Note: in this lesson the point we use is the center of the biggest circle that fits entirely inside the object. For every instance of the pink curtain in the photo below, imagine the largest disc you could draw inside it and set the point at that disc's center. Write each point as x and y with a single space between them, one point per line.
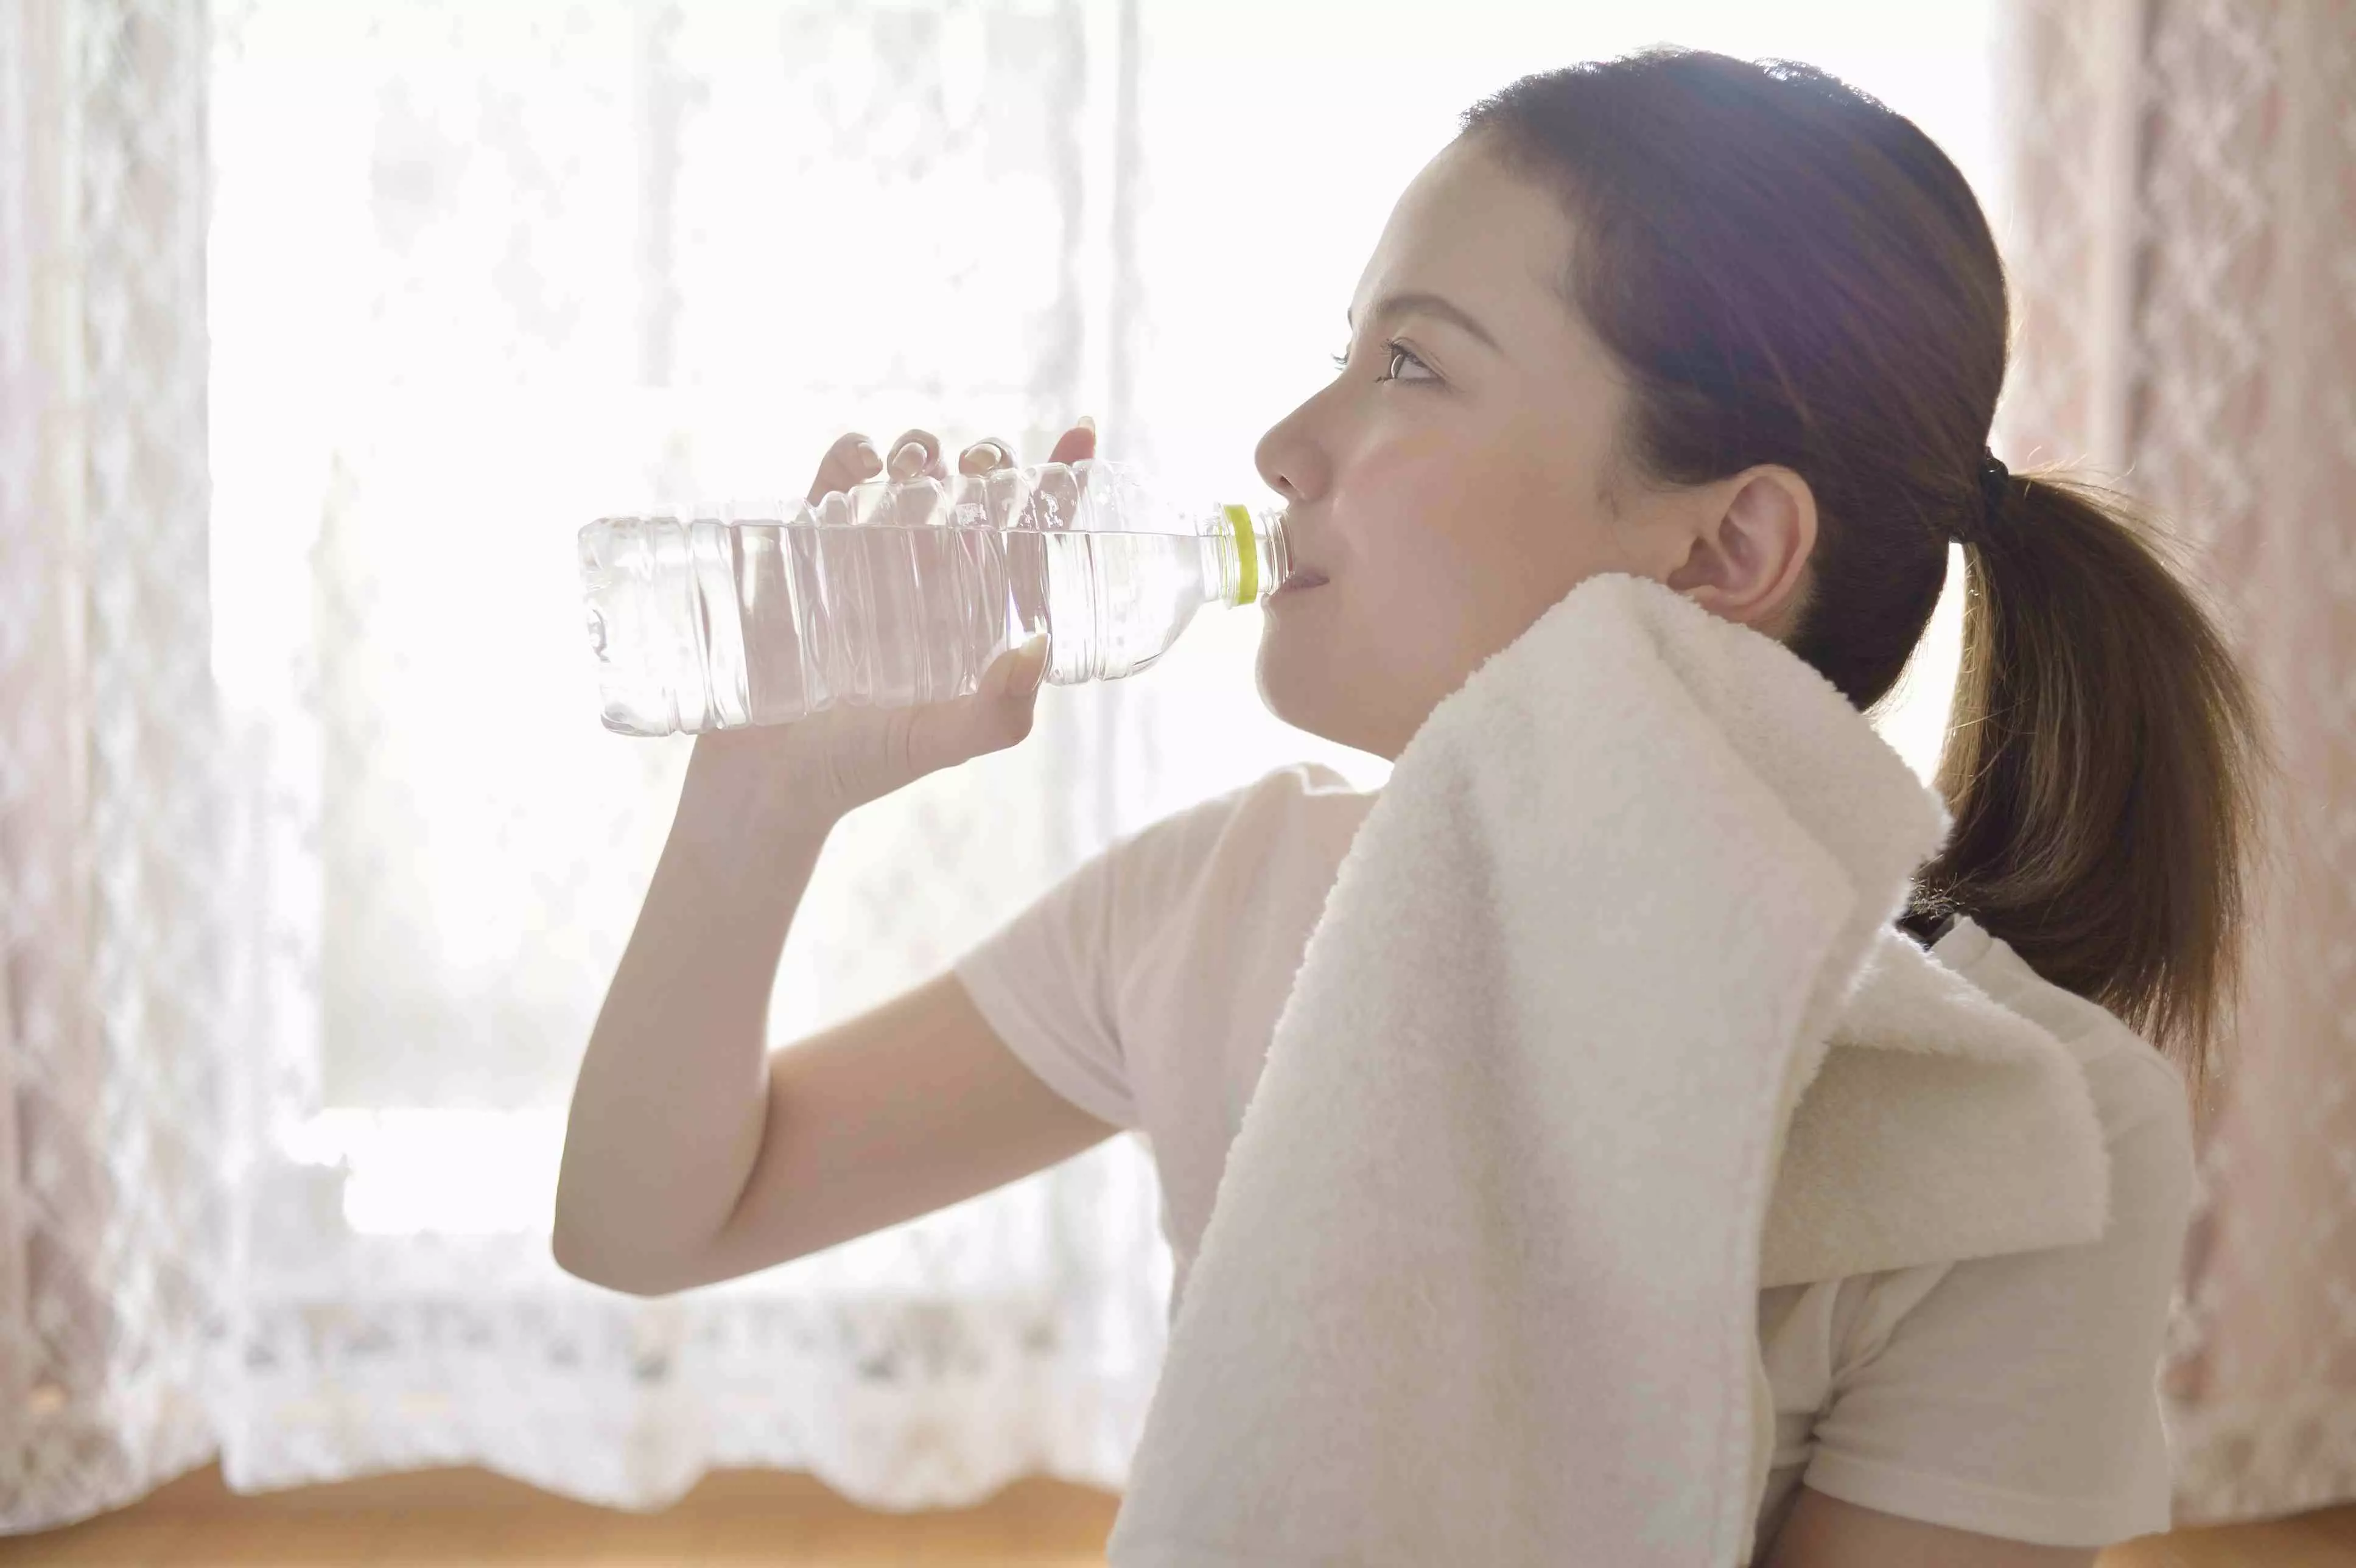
2183 248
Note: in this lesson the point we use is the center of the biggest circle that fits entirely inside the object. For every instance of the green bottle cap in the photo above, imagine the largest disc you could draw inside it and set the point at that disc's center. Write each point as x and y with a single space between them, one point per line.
1239 518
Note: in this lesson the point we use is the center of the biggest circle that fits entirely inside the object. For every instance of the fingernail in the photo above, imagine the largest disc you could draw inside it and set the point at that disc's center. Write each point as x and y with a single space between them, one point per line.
988 454
1035 653
910 455
864 456
1086 422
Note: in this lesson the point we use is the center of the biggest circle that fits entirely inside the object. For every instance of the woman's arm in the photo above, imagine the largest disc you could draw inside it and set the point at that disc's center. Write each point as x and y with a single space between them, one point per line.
688 1155
672 1101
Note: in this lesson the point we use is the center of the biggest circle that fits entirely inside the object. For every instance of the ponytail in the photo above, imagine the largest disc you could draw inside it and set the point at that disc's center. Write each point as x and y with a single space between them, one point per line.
1787 272
2100 765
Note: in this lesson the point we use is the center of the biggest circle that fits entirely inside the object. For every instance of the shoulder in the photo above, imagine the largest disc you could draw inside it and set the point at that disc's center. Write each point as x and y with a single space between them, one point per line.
2015 1395
1295 790
2139 1095
2141 1105
1302 813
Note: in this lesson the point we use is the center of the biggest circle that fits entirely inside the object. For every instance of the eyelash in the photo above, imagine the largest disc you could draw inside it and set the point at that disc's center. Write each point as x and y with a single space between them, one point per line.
1396 350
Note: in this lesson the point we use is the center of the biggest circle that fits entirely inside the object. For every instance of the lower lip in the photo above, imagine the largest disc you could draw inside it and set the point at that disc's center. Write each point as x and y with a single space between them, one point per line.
1294 589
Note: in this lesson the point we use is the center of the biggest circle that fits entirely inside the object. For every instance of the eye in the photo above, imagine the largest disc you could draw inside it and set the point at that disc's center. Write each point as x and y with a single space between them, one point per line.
1397 351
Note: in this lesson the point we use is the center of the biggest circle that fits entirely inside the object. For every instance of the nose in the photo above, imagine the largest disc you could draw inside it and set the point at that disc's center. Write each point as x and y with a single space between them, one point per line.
1290 458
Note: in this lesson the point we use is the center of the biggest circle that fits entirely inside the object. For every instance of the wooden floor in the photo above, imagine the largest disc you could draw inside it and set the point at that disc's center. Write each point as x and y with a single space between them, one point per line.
449 1518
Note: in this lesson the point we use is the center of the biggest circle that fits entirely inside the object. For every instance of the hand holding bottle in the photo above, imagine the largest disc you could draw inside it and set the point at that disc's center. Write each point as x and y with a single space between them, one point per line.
844 756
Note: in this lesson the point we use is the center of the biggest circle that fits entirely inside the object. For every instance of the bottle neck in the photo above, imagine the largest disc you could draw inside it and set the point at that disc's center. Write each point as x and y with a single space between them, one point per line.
1248 559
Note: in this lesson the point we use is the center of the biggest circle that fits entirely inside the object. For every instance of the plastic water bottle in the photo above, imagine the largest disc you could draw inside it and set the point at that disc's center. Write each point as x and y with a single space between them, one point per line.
891 594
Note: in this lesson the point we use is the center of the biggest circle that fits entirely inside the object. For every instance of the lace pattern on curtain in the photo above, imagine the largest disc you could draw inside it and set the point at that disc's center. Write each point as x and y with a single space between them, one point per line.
555 262
113 1181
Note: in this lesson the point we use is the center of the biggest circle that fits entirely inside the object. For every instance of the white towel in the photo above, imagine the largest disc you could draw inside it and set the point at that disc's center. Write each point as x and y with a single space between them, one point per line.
1480 1283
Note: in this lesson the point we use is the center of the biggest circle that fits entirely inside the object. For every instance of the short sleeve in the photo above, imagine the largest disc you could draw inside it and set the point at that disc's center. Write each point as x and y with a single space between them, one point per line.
1046 980
2018 1396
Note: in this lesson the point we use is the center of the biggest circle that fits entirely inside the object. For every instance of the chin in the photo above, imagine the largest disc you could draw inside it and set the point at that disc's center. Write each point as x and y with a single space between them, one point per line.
1315 695
1296 690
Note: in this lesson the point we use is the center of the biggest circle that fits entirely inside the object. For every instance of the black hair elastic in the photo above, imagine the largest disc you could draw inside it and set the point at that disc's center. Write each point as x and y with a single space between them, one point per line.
1926 923
1995 483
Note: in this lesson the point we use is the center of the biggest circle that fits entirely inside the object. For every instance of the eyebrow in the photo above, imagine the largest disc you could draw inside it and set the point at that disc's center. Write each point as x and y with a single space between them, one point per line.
1425 304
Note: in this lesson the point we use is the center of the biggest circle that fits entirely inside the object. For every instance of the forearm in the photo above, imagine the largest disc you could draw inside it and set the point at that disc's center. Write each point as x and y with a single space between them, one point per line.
669 1106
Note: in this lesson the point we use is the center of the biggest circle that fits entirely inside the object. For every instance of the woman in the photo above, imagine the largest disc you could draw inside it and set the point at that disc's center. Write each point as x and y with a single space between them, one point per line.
1735 328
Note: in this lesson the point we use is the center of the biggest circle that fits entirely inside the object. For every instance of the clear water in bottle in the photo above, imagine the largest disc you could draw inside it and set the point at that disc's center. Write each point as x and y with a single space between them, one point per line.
893 594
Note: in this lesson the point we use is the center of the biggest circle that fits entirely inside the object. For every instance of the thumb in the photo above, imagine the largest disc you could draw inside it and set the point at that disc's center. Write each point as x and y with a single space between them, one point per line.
1009 692
995 717
1015 676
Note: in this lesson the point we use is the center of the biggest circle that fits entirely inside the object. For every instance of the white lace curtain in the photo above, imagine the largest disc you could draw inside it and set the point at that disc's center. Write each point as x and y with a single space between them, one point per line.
289 1038
120 1092
555 260
314 861
2186 174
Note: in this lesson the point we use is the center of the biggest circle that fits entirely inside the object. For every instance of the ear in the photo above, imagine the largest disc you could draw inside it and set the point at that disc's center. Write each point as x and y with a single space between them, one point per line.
1753 537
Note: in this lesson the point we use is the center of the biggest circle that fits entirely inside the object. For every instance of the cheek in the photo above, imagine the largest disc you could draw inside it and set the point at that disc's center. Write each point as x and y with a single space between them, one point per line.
1531 524
1406 582
1366 653
1459 550
1446 551
1435 481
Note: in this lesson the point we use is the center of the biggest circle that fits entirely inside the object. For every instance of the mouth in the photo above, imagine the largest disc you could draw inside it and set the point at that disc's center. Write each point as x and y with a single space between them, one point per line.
1300 576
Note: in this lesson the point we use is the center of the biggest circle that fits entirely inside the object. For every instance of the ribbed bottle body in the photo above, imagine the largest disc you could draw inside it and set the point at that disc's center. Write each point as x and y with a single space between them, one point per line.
903 594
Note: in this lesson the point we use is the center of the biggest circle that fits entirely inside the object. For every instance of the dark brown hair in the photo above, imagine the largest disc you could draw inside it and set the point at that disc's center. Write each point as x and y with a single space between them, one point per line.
1789 272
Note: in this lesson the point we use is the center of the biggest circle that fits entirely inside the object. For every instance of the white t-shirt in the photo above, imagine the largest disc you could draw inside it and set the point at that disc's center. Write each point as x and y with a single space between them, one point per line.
2012 1395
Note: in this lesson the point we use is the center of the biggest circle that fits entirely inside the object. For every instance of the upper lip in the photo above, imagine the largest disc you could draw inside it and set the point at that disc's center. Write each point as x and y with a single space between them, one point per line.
1296 568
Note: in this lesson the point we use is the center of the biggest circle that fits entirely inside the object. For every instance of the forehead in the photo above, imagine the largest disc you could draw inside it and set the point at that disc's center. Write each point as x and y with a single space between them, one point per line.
1472 228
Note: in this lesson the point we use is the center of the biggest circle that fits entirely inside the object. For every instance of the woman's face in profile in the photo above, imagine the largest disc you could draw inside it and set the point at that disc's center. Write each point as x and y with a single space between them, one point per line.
1450 484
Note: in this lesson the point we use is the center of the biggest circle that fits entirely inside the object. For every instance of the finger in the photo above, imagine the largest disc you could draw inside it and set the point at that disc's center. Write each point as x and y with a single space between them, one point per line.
995 717
985 456
1078 444
915 452
850 460
1017 672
